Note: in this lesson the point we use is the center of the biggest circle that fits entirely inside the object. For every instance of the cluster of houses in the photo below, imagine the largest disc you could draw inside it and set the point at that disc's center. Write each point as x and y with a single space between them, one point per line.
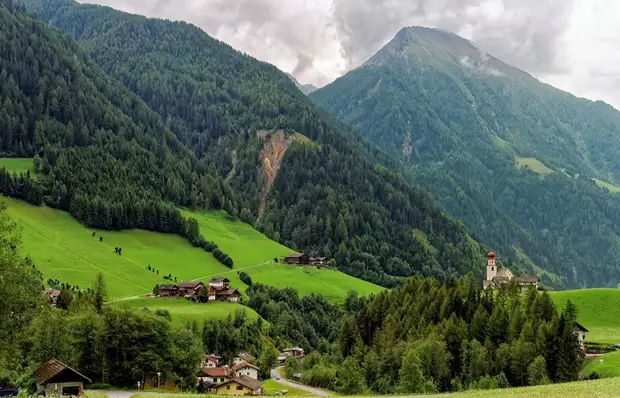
294 352
305 259
218 290
240 379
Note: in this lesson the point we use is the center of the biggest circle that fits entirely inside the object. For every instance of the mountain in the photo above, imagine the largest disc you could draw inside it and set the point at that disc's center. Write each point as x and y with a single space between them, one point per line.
279 162
304 88
516 159
99 151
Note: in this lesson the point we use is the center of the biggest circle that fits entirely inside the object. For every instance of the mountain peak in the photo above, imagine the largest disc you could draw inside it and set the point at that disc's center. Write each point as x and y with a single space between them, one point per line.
440 47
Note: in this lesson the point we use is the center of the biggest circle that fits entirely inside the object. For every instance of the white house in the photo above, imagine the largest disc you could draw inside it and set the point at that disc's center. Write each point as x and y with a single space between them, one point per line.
210 361
246 369
214 375
581 336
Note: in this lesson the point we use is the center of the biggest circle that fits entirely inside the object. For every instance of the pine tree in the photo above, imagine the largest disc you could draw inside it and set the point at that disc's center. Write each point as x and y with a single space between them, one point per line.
99 292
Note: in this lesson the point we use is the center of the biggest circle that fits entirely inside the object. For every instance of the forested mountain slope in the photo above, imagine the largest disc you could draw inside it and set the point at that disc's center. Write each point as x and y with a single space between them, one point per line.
465 120
328 194
101 153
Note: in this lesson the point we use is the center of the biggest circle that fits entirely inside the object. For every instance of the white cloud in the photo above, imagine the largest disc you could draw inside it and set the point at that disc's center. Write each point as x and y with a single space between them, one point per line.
572 44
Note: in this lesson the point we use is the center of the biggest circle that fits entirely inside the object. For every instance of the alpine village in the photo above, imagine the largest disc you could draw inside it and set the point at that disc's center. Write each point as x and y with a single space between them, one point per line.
183 218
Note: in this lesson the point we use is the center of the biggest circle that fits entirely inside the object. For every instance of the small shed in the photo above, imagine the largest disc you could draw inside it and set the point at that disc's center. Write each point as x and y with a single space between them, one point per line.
55 378
297 258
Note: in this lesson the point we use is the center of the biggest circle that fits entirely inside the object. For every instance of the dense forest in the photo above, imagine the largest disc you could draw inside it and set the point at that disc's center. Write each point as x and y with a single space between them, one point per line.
99 151
462 118
330 196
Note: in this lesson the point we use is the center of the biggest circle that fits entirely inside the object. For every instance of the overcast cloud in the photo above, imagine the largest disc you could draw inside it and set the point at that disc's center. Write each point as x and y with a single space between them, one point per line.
572 44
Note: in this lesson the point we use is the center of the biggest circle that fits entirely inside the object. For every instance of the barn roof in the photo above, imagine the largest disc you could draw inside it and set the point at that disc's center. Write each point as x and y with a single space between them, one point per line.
168 287
53 368
580 327
246 356
189 285
297 255
245 381
218 280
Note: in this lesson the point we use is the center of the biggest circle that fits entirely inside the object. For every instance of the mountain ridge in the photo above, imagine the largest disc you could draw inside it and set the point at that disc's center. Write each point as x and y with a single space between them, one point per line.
462 120
330 195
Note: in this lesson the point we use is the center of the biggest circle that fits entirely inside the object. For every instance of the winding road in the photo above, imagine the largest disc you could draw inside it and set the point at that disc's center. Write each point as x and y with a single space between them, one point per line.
275 375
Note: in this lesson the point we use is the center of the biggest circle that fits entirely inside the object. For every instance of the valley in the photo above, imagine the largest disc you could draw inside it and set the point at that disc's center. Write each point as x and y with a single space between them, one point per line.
156 178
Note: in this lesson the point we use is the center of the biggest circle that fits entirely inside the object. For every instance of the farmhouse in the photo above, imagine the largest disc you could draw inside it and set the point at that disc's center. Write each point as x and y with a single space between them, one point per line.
215 375
319 261
295 352
219 289
240 385
210 361
246 369
55 378
243 357
168 290
189 289
297 258
498 276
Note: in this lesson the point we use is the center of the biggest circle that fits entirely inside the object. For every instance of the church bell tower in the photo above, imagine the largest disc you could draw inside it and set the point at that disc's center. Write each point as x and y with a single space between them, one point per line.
491 267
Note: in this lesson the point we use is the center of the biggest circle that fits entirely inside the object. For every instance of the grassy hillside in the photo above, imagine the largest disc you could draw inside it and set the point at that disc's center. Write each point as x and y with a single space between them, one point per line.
599 311
609 367
64 249
183 311
581 389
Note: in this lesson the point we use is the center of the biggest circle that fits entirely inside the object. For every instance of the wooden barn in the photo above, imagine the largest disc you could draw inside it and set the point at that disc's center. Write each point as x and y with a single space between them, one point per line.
55 378
298 259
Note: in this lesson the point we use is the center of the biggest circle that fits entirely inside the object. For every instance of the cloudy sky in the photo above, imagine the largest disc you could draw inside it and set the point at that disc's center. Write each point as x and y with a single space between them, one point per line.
572 44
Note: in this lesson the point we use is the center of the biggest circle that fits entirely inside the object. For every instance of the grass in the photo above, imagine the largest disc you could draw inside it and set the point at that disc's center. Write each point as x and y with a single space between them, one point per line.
604 184
599 312
580 389
533 164
271 387
184 311
333 285
609 367
17 165
602 388
64 249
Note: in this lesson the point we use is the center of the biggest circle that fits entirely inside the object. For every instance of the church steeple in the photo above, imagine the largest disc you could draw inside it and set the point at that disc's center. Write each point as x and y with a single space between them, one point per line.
491 267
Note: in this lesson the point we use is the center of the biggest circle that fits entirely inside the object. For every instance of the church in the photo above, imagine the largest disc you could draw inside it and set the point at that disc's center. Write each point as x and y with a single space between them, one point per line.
497 276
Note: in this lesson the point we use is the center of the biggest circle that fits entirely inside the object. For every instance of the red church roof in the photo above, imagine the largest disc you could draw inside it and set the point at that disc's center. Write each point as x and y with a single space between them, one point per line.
491 255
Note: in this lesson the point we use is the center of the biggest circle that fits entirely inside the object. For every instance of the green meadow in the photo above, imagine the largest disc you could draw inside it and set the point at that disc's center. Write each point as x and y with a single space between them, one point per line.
271 387
184 311
17 165
599 312
64 249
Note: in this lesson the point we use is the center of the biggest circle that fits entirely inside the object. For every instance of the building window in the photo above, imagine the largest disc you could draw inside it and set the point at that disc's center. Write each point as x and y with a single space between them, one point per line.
492 268
228 387
239 388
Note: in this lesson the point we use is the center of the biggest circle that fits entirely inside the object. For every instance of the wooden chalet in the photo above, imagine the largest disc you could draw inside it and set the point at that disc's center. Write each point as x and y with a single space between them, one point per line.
220 290
189 289
319 261
55 378
215 375
168 290
298 259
